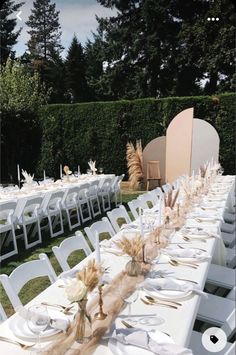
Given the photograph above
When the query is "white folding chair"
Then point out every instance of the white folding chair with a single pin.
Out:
(3, 315)
(83, 202)
(221, 276)
(28, 212)
(63, 251)
(215, 309)
(100, 227)
(70, 206)
(7, 229)
(147, 200)
(22, 274)
(134, 206)
(52, 209)
(93, 198)
(104, 194)
(116, 214)
(158, 192)
(116, 189)
(228, 327)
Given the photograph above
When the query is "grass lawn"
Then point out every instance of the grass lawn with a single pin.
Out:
(32, 288)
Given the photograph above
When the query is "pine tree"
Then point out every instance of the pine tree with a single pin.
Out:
(45, 30)
(8, 37)
(75, 72)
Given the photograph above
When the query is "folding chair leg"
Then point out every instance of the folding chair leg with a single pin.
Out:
(15, 249)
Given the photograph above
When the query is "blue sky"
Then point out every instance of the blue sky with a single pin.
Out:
(76, 16)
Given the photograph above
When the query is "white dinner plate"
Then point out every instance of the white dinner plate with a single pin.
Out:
(192, 259)
(118, 348)
(19, 327)
(169, 294)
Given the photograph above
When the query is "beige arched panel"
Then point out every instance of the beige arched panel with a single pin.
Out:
(155, 150)
(179, 145)
(205, 143)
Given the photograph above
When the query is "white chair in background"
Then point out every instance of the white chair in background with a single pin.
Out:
(147, 200)
(134, 206)
(158, 192)
(83, 202)
(30, 270)
(52, 209)
(63, 251)
(28, 212)
(116, 189)
(228, 327)
(100, 227)
(104, 194)
(221, 276)
(3, 315)
(70, 206)
(93, 198)
(116, 214)
(7, 229)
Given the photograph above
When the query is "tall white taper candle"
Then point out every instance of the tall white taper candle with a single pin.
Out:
(141, 222)
(97, 249)
(18, 172)
(44, 175)
(60, 171)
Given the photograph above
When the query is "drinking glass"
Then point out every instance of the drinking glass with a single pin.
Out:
(37, 321)
(129, 296)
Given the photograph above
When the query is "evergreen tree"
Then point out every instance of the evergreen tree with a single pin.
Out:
(8, 37)
(75, 72)
(45, 30)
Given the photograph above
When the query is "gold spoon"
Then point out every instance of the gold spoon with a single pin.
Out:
(158, 304)
(176, 263)
(152, 299)
(180, 246)
(177, 278)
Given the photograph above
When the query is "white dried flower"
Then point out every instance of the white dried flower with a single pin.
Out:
(76, 290)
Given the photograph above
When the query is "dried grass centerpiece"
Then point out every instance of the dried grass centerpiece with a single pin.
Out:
(134, 159)
(77, 291)
(169, 201)
(132, 247)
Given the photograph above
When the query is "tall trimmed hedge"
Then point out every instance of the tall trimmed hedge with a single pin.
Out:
(72, 134)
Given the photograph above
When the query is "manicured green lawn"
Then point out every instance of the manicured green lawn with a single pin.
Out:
(32, 288)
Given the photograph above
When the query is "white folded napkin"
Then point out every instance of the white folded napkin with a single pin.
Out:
(55, 323)
(171, 284)
(197, 254)
(201, 232)
(141, 338)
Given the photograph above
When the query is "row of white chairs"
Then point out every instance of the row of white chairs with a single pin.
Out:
(74, 205)
(215, 310)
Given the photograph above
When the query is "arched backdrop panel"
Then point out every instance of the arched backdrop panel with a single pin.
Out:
(179, 145)
(205, 143)
(155, 150)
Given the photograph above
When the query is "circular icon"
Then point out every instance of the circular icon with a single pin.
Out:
(214, 339)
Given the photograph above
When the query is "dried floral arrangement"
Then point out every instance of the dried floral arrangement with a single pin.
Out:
(90, 275)
(134, 157)
(171, 198)
(132, 247)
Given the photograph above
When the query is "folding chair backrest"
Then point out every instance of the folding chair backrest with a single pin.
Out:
(103, 226)
(118, 214)
(229, 325)
(24, 273)
(63, 251)
(134, 206)
(7, 210)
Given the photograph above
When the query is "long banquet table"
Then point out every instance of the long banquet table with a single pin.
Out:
(177, 322)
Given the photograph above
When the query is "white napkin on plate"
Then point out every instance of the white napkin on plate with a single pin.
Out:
(55, 323)
(170, 284)
(141, 338)
(197, 254)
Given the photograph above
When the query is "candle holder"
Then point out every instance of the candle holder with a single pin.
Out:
(100, 315)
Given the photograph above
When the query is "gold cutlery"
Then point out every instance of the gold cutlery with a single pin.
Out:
(149, 303)
(127, 325)
(204, 250)
(177, 278)
(202, 220)
(190, 239)
(155, 299)
(23, 346)
(177, 263)
(65, 309)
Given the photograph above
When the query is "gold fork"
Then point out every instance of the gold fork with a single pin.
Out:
(23, 346)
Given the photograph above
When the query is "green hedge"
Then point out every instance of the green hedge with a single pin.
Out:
(72, 134)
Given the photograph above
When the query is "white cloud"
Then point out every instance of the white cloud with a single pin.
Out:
(75, 17)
